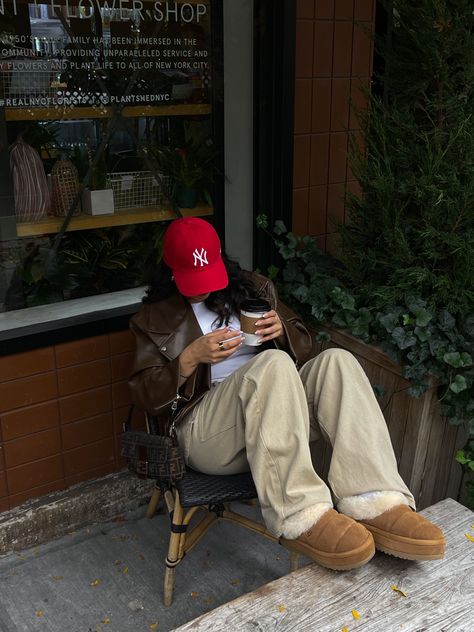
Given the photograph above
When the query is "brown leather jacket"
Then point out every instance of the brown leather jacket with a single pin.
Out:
(163, 329)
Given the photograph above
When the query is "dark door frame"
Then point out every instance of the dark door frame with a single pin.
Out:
(275, 50)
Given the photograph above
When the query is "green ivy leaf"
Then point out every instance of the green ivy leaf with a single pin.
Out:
(389, 321)
(446, 321)
(453, 359)
(403, 338)
(461, 457)
(459, 384)
(322, 336)
(422, 334)
(279, 228)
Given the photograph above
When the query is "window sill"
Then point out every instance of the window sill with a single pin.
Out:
(44, 318)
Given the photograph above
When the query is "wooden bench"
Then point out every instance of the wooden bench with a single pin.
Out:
(439, 595)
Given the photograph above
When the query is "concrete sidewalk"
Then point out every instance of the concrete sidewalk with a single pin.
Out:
(108, 577)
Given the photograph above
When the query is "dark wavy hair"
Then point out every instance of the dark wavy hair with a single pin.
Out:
(224, 302)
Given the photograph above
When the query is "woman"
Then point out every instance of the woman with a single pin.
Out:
(238, 407)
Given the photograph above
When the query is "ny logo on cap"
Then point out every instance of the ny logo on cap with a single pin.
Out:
(200, 256)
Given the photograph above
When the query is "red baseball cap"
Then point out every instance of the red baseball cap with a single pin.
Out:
(192, 249)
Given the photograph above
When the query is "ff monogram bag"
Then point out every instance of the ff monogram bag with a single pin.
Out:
(152, 456)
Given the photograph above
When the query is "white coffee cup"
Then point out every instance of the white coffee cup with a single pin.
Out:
(251, 311)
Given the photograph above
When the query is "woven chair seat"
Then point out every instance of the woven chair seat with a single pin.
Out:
(204, 489)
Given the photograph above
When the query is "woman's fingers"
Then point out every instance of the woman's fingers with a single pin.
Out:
(269, 327)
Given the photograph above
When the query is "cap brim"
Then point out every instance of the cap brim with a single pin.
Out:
(202, 280)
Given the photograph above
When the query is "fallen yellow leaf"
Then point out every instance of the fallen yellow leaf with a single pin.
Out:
(469, 537)
(281, 608)
(125, 570)
(355, 614)
(344, 629)
(153, 626)
(57, 578)
(117, 562)
(235, 582)
(194, 594)
(96, 582)
(396, 589)
(106, 621)
(40, 613)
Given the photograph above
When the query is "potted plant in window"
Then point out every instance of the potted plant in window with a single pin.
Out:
(98, 199)
(191, 171)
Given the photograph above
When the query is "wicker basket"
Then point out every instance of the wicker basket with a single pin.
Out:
(64, 186)
(138, 189)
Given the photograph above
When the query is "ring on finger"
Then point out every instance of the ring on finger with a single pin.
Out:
(221, 345)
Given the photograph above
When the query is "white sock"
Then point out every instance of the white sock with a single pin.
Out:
(369, 505)
(303, 520)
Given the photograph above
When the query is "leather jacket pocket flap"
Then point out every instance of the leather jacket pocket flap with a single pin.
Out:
(166, 344)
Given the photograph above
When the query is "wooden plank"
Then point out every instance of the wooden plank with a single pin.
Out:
(440, 593)
(119, 218)
(75, 113)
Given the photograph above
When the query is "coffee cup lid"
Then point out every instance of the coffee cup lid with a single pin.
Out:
(255, 305)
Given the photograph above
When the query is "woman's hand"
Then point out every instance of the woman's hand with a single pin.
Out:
(209, 349)
(270, 327)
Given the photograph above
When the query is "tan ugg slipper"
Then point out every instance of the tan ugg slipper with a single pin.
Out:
(334, 541)
(402, 532)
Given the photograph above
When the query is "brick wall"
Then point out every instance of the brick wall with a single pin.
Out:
(333, 60)
(61, 413)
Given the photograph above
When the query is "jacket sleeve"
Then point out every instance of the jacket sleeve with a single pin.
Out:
(299, 342)
(155, 381)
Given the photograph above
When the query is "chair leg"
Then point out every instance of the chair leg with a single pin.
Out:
(294, 561)
(153, 504)
(173, 559)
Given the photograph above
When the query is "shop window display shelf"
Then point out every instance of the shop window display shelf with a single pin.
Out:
(77, 112)
(119, 218)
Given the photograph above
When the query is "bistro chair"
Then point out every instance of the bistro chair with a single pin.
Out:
(211, 495)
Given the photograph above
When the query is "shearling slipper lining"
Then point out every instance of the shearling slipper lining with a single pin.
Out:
(371, 505)
(303, 520)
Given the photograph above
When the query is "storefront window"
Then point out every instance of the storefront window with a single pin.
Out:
(106, 132)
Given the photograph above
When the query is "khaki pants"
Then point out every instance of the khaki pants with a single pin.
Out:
(263, 417)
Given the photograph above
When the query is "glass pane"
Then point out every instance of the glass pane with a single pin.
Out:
(106, 132)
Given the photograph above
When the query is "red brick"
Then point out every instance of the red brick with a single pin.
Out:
(89, 457)
(323, 43)
(345, 9)
(335, 206)
(4, 504)
(27, 391)
(301, 161)
(121, 366)
(303, 106)
(36, 492)
(321, 116)
(31, 419)
(304, 9)
(364, 10)
(79, 351)
(362, 50)
(317, 210)
(121, 341)
(121, 395)
(342, 49)
(340, 104)
(304, 48)
(324, 9)
(31, 448)
(319, 159)
(337, 157)
(85, 404)
(300, 211)
(2, 463)
(83, 377)
(358, 99)
(87, 431)
(3, 484)
(25, 364)
(40, 473)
